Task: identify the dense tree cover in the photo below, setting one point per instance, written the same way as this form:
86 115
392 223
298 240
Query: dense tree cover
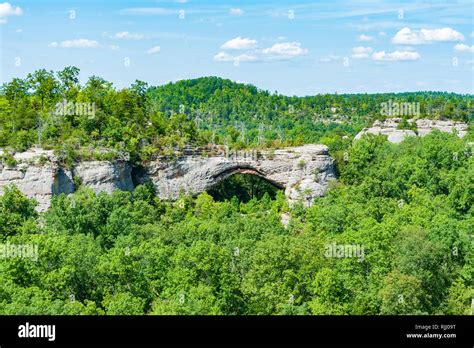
243 187
146 121
409 206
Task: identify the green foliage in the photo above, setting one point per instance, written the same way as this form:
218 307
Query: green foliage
244 187
15 211
8 159
404 124
408 206
149 121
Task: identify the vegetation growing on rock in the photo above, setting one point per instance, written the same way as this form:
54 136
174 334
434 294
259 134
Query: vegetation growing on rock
408 205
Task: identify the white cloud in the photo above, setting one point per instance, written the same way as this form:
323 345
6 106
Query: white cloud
246 57
114 47
226 57
125 35
364 37
464 48
154 49
361 52
79 43
223 57
382 33
396 55
286 50
236 12
7 10
239 44
406 36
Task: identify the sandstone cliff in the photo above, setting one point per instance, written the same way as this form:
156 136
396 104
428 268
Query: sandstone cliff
303 172
423 127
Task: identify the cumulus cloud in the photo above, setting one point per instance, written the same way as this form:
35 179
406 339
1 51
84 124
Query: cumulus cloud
7 10
278 50
154 50
239 43
464 48
361 52
364 37
396 55
406 36
125 35
79 43
236 12
286 50
226 57
246 57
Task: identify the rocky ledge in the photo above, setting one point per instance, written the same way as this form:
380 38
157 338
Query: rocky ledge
303 172
389 127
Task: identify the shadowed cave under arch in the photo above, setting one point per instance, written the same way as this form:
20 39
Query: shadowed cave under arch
244 184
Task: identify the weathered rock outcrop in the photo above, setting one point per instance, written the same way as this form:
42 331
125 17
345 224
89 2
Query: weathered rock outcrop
38 175
103 176
423 127
303 172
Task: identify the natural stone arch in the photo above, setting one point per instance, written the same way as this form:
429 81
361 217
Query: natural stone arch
249 183
303 172
243 170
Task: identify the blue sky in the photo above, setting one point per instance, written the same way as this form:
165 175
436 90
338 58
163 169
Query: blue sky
293 47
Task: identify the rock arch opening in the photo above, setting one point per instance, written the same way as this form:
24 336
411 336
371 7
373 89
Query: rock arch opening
243 184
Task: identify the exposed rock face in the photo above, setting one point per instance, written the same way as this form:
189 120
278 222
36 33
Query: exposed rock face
426 126
104 176
303 172
38 175
423 126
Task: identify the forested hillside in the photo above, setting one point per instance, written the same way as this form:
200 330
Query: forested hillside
406 207
409 206
146 121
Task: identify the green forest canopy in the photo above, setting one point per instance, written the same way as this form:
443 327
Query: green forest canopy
408 205
146 121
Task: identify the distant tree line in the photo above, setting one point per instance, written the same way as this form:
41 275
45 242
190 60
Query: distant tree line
146 121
